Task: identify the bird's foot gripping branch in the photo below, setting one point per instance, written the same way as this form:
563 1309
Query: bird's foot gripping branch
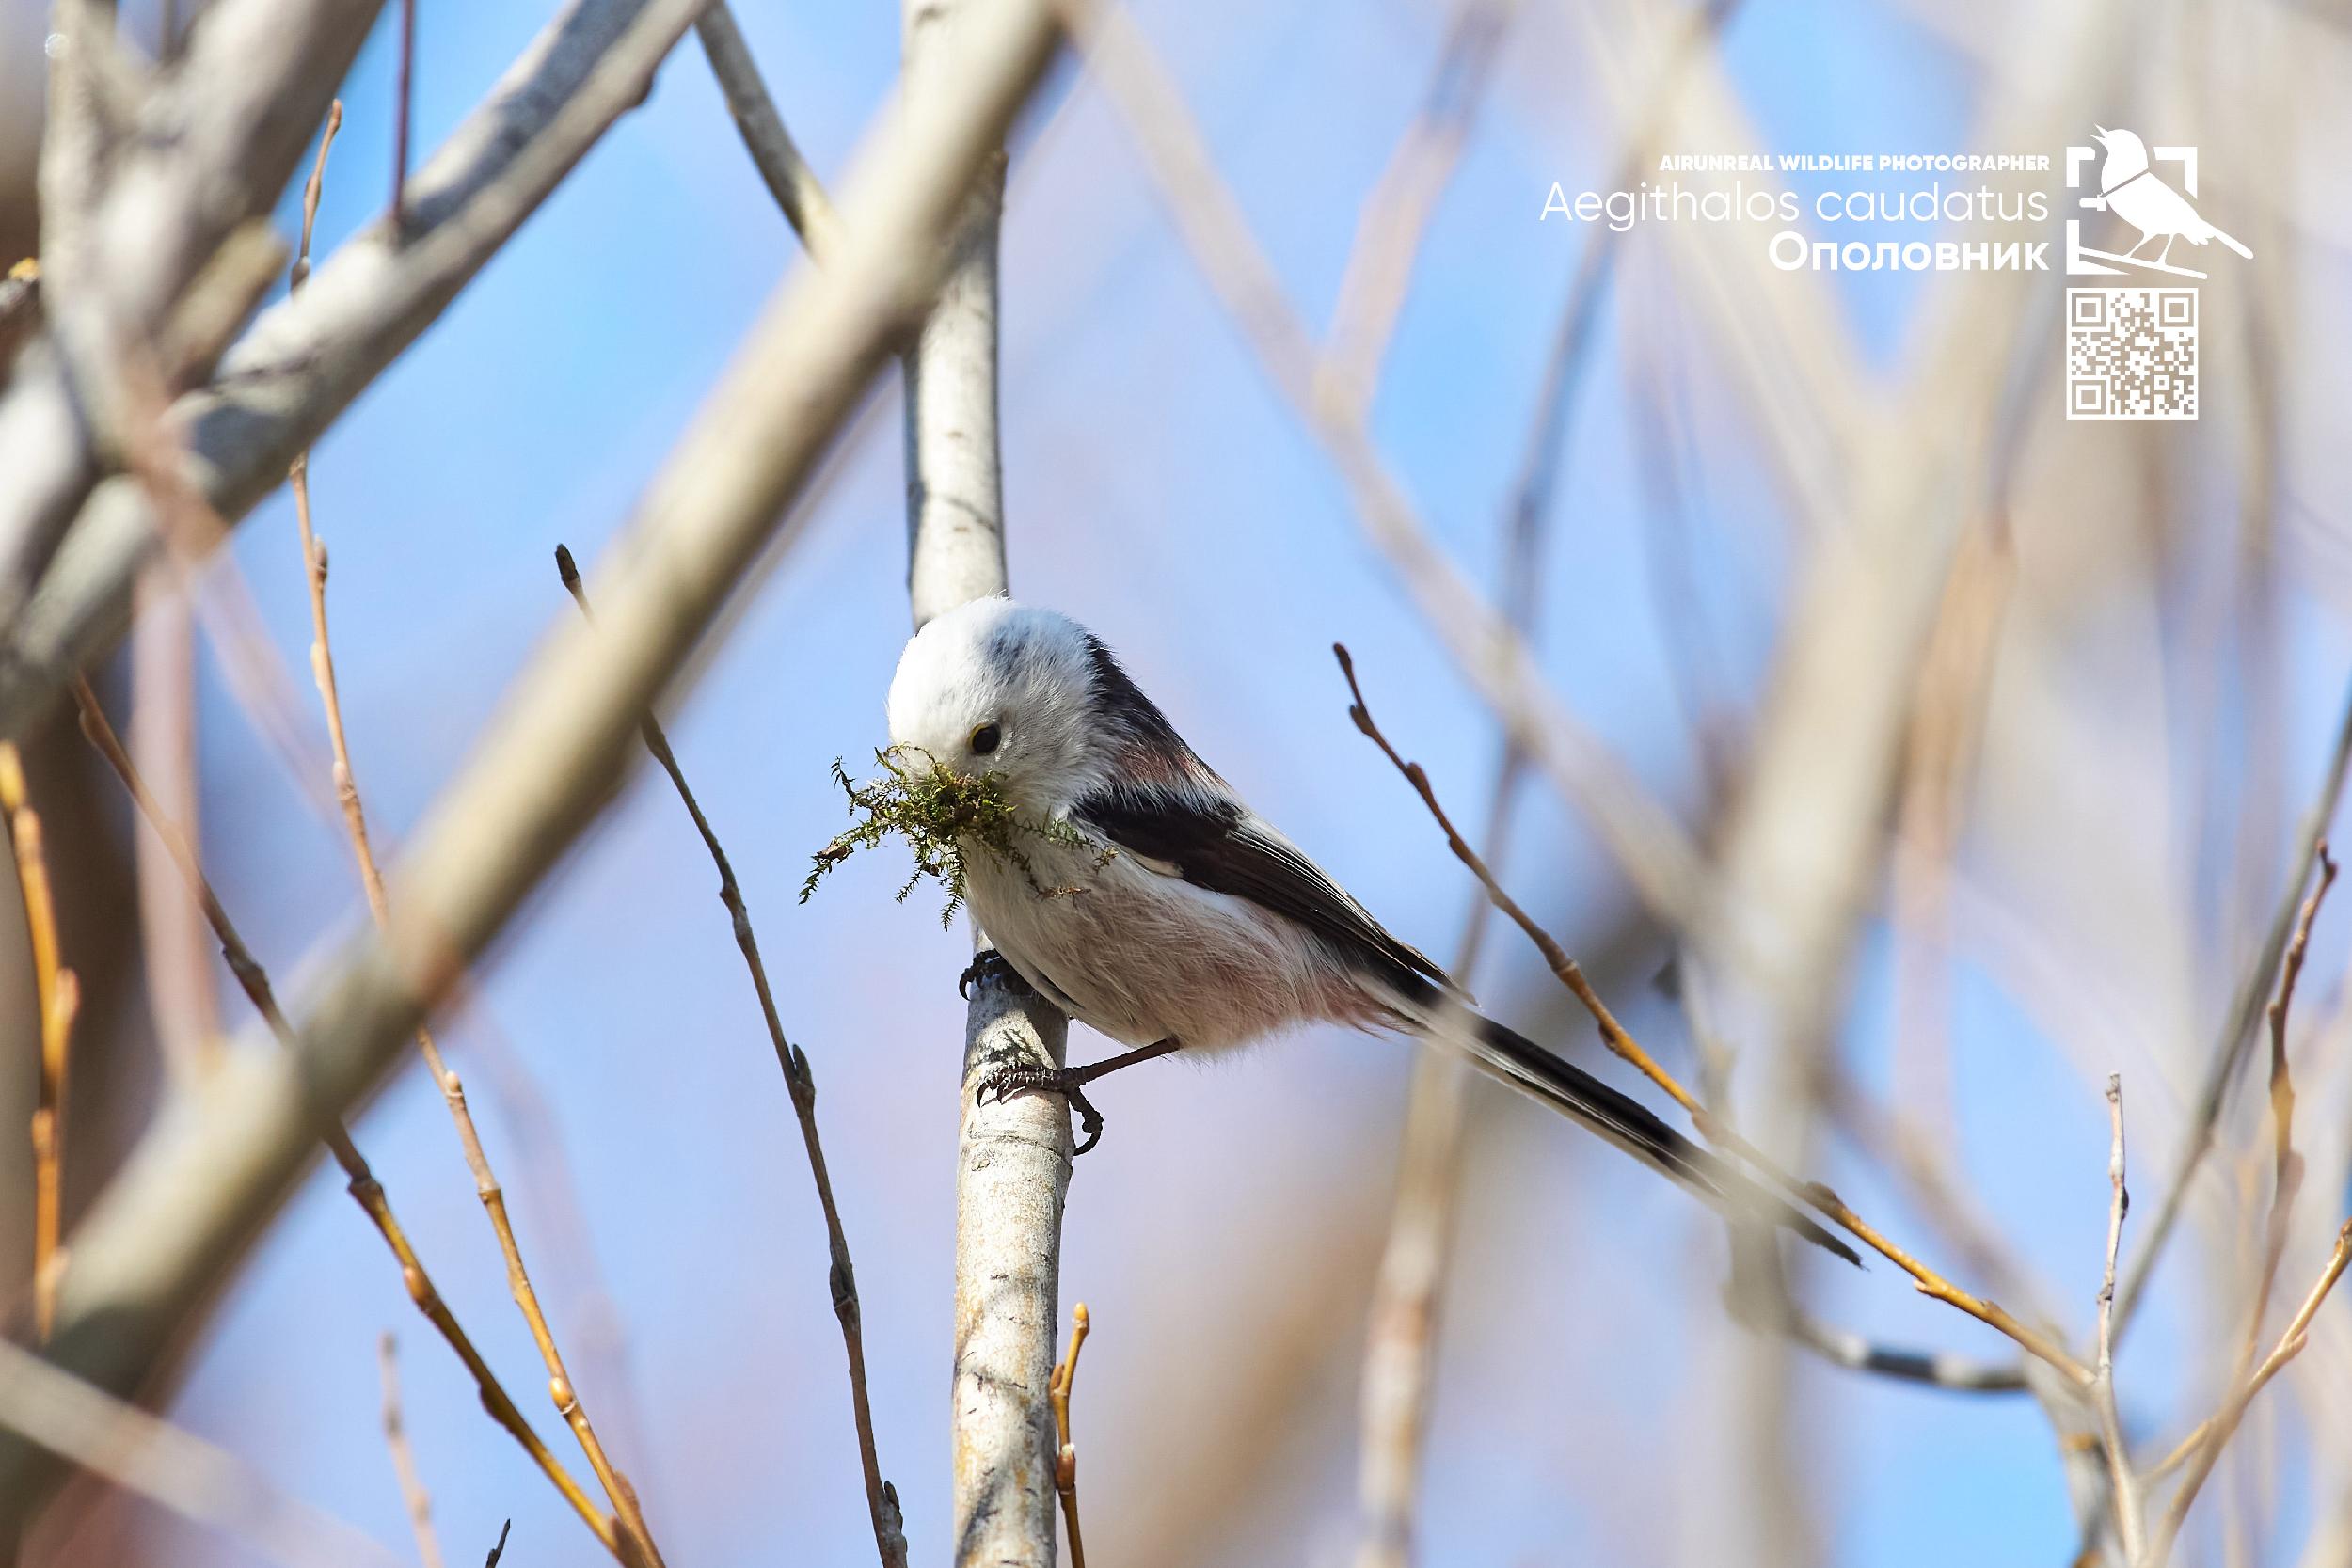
942 813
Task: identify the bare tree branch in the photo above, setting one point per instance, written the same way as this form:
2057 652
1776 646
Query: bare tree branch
306 357
57 995
365 1190
636 1538
412 1493
1394 217
1842 1347
1656 853
1613 1034
2204 1445
170 1467
165 178
1066 1454
881 1498
1400 1355
183 997
213 1170
2238 1030
1012 1158
2202 1449
789 179
2123 1485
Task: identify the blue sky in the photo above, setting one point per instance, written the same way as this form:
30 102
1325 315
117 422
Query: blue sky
1159 490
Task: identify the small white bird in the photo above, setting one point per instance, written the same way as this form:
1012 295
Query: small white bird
1202 927
2129 186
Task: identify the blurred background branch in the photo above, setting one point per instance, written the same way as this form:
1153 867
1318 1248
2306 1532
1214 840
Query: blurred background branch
1936 756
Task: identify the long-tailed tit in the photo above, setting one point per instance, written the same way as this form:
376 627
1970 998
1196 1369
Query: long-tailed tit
1175 917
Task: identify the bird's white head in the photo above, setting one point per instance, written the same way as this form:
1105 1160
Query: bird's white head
994 687
2127 154
1033 697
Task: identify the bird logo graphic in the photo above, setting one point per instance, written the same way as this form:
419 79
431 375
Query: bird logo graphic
2130 187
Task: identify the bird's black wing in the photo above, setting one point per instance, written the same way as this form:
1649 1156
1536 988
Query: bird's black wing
1212 842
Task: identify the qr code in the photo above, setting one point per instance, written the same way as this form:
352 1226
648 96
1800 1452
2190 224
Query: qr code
2131 354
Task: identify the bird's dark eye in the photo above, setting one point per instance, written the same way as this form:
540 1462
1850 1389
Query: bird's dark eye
986 738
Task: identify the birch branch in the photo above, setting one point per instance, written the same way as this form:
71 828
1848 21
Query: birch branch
208 1176
1013 1156
304 361
164 168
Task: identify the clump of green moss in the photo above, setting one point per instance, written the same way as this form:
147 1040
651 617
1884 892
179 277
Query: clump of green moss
937 810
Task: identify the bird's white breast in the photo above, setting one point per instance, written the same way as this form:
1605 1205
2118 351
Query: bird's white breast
1143 956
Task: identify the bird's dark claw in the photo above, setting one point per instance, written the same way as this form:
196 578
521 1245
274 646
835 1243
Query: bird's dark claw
992 966
1016 1078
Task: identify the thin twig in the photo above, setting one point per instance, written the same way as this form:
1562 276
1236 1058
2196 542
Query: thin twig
487 1185
176 950
1772 1307
365 1190
1395 215
58 995
1928 1184
881 1498
401 100
2130 1523
1930 1283
789 179
1842 1347
2203 1446
158 1244
412 1492
1066 1454
146 1455
1401 1339
1657 854
311 191
2238 1028
498 1549
1570 974
2287 1165
560 1388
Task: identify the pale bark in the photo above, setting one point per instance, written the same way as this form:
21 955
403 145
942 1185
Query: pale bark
142 184
306 358
219 1161
1013 1163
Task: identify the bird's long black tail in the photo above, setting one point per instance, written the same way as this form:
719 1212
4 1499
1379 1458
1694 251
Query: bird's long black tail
1626 1122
